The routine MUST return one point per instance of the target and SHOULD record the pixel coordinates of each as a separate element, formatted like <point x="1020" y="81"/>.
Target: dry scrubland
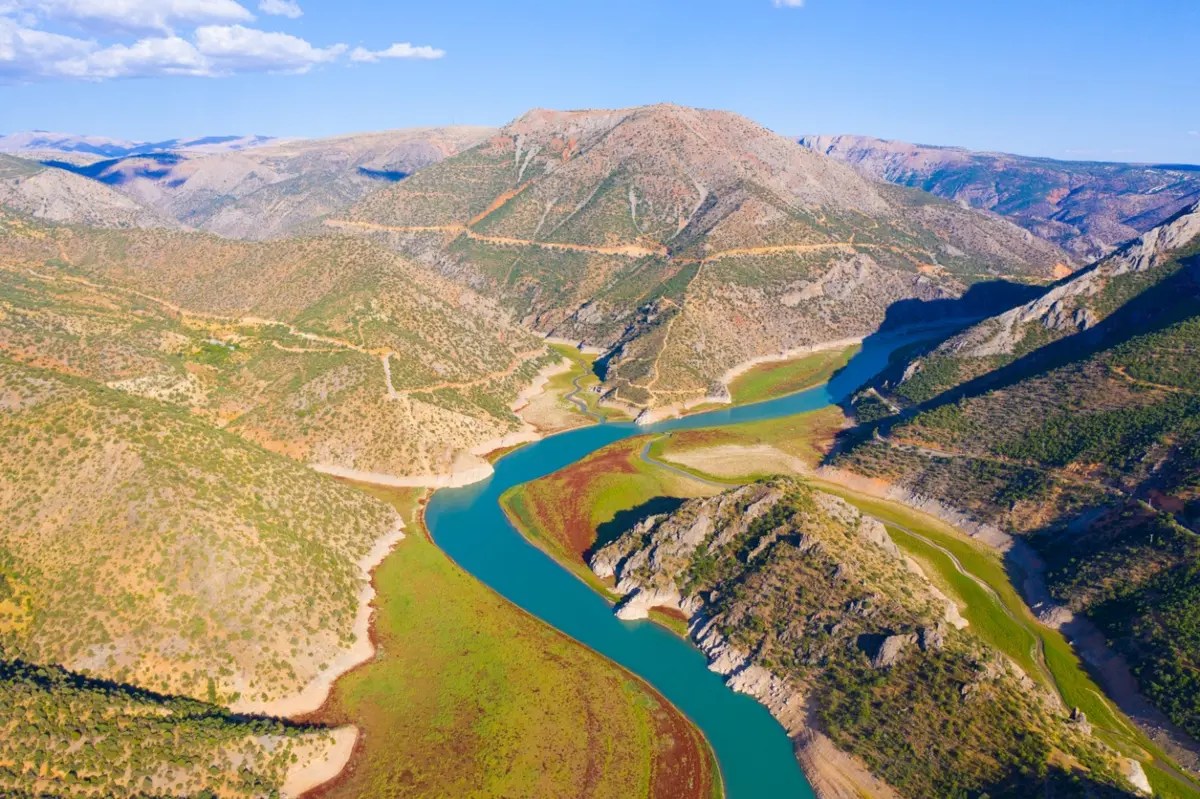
<point x="330" y="350"/>
<point x="687" y="241"/>
<point x="810" y="606"/>
<point x="68" y="736"/>
<point x="149" y="535"/>
<point x="1072" y="421"/>
<point x="143" y="546"/>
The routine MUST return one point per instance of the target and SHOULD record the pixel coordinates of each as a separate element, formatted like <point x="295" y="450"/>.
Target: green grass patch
<point x="770" y="380"/>
<point x="978" y="606"/>
<point x="470" y="696"/>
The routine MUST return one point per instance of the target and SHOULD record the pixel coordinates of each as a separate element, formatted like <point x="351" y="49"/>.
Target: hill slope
<point x="71" y="736"/>
<point x="169" y="537"/>
<point x="332" y="350"/>
<point x="58" y="196"/>
<point x="686" y="241"/>
<point x="271" y="189"/>
<point x="1085" y="207"/>
<point x="1075" y="420"/>
<point x="808" y="605"/>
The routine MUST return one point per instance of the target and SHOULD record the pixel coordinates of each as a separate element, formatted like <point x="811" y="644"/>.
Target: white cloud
<point x="25" y="52"/>
<point x="1195" y="133"/>
<point x="29" y="52"/>
<point x="788" y="3"/>
<point x="169" y="55"/>
<point x="233" y="48"/>
<point x="398" y="50"/>
<point x="281" y="8"/>
<point x="116" y="16"/>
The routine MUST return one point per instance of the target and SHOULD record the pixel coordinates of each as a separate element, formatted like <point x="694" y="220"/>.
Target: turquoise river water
<point x="754" y="753"/>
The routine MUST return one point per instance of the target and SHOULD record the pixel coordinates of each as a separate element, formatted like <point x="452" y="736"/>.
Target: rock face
<point x="789" y="592"/>
<point x="1066" y="308"/>
<point x="1088" y="208"/>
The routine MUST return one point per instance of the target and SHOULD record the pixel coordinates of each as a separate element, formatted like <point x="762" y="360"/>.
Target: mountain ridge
<point x="1088" y="207"/>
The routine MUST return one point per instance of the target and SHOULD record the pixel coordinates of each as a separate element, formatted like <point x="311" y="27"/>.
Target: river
<point x="754" y="753"/>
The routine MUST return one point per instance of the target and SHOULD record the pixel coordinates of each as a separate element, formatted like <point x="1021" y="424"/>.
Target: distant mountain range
<point x="46" y="141"/>
<point x="1086" y="207"/>
<point x="247" y="188"/>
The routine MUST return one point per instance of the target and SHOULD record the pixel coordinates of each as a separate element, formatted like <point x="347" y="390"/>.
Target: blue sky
<point x="1099" y="79"/>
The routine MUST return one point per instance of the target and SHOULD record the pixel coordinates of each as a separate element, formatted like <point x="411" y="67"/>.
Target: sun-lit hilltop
<point x="686" y="241"/>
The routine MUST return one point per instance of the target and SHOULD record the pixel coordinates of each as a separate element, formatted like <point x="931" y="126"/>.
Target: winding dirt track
<point x="383" y="353"/>
<point x="621" y="250"/>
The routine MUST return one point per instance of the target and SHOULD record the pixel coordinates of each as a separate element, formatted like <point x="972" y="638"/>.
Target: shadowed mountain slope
<point x="1074" y="420"/>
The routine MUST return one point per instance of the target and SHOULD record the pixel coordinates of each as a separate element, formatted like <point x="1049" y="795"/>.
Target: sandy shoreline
<point x="586" y="349"/>
<point x="314" y="694"/>
<point x="316" y="771"/>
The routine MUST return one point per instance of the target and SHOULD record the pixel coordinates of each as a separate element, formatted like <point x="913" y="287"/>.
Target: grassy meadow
<point x="470" y="697"/>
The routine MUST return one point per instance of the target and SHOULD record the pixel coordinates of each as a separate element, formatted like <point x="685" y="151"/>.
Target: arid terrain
<point x="234" y="369"/>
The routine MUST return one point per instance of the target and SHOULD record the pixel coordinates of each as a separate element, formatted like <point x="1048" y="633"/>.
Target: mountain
<point x="685" y="241"/>
<point x="59" y="196"/>
<point x="807" y="604"/>
<point x="272" y="188"/>
<point x="1086" y="207"/>
<point x="1073" y="423"/>
<point x="45" y="141"/>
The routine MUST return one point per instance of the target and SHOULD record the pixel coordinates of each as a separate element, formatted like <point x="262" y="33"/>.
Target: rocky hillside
<point x="686" y="241"/>
<point x="1088" y="208"/>
<point x="331" y="350"/>
<point x="1073" y="306"/>
<point x="271" y="189"/>
<point x="71" y="736"/>
<point x="809" y="606"/>
<point x="1074" y="420"/>
<point x="59" y="196"/>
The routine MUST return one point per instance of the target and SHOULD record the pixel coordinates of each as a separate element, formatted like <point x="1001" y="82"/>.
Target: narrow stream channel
<point x="754" y="753"/>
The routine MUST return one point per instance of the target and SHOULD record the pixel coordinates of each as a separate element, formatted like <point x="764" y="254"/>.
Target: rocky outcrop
<point x="1065" y="308"/>
<point x="654" y="565"/>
